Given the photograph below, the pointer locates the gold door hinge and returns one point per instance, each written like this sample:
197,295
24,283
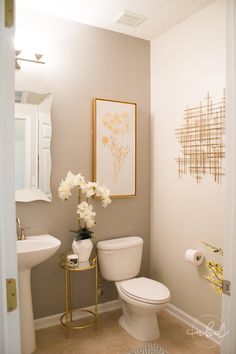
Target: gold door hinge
11,295
9,13
226,287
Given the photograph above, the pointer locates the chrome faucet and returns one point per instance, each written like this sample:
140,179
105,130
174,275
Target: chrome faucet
20,231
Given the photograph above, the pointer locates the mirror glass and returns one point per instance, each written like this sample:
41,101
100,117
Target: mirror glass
32,146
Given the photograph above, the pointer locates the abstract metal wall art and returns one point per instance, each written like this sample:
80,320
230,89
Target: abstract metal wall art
202,140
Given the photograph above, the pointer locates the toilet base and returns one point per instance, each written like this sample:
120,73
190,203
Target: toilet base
143,328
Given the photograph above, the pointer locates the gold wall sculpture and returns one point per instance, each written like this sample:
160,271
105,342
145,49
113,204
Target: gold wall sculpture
202,140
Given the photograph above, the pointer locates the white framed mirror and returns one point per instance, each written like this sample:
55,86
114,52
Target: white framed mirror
33,132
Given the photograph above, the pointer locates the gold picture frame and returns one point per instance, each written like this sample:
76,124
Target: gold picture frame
115,146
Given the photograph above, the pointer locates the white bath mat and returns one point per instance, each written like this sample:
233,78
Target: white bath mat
151,348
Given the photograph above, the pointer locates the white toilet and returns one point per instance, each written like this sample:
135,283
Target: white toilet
141,298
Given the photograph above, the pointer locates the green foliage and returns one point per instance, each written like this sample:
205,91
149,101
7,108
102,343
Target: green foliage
82,233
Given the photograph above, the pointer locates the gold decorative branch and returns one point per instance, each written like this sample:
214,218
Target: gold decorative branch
215,275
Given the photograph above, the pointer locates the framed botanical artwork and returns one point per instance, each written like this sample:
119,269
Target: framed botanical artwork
114,149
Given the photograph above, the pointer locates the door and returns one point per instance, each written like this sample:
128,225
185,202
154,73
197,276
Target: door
229,302
9,321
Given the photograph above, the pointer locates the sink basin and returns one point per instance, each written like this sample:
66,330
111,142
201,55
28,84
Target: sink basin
35,250
31,252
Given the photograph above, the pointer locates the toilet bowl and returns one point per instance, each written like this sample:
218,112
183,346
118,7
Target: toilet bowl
140,298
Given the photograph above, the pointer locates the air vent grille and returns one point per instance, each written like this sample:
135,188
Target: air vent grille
130,19
20,96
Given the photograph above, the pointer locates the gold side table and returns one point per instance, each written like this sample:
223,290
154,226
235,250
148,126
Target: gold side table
67,317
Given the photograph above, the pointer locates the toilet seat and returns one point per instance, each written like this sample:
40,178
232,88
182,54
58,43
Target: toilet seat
145,290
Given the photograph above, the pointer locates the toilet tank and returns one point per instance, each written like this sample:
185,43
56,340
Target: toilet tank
120,258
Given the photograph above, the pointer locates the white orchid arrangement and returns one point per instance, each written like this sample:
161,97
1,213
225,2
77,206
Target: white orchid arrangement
85,210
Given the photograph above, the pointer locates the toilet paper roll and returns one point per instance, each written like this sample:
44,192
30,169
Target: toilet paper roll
194,256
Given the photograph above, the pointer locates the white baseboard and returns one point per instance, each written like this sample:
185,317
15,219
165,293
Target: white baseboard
54,320
191,321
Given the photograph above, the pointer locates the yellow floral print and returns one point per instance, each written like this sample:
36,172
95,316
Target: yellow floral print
118,125
105,140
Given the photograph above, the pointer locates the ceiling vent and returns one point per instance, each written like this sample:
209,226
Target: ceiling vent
130,19
20,96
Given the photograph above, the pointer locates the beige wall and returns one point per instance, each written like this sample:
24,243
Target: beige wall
186,63
84,62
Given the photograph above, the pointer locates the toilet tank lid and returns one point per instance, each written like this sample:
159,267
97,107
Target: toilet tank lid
120,243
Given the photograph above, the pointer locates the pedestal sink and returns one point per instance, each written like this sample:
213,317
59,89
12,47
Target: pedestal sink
31,252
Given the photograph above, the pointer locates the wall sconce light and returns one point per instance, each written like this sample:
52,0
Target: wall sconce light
37,59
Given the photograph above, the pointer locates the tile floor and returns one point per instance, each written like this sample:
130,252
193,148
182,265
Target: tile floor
110,338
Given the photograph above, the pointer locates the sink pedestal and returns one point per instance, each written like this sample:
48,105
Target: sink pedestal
28,342
31,252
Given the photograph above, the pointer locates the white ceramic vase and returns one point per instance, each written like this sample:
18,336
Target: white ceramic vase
83,248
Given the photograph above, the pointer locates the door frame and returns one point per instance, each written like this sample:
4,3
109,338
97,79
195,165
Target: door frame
228,345
9,321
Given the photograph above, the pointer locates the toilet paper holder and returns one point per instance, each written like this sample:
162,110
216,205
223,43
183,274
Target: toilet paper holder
194,256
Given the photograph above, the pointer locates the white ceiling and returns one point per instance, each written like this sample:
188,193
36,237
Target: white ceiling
161,14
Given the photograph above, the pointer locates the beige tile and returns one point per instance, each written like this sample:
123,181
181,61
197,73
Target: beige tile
109,338
173,345
178,330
